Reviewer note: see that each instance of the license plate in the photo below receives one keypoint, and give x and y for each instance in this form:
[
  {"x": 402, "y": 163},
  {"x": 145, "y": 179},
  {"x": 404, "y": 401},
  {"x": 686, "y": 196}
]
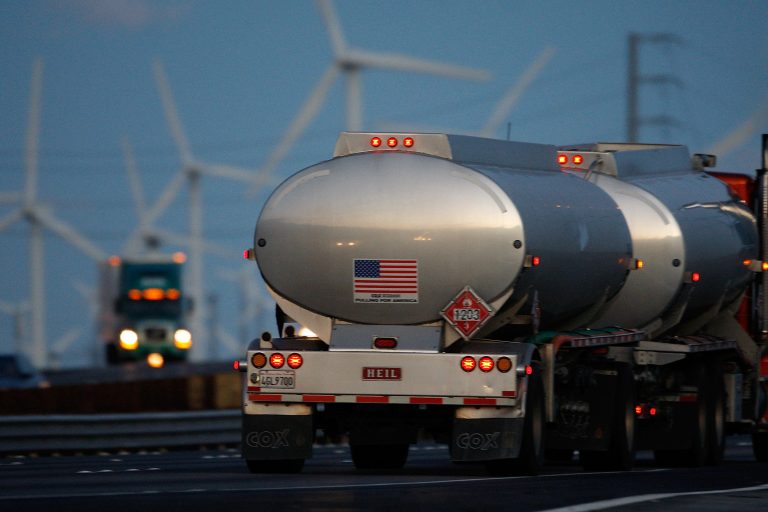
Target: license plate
[{"x": 283, "y": 379}]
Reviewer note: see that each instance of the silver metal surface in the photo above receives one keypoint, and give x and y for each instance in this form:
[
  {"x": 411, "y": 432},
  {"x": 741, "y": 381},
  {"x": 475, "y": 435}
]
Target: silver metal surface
[
  {"x": 656, "y": 241},
  {"x": 457, "y": 224},
  {"x": 719, "y": 233},
  {"x": 477, "y": 212}
]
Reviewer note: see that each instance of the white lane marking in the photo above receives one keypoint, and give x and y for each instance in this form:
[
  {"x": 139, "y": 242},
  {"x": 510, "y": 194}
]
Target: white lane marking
[
  {"x": 129, "y": 470},
  {"x": 630, "y": 500}
]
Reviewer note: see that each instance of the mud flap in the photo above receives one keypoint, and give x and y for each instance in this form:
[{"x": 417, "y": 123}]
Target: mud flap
[
  {"x": 277, "y": 437},
  {"x": 486, "y": 439}
]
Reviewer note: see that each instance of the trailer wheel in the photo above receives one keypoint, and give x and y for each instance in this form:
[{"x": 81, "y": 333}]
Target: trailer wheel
[
  {"x": 379, "y": 456},
  {"x": 620, "y": 455},
  {"x": 275, "y": 466},
  {"x": 716, "y": 417},
  {"x": 531, "y": 457},
  {"x": 698, "y": 453},
  {"x": 760, "y": 445}
]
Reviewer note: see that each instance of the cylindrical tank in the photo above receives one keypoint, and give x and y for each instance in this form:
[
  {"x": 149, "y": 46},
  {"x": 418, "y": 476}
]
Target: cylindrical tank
[{"x": 392, "y": 237}]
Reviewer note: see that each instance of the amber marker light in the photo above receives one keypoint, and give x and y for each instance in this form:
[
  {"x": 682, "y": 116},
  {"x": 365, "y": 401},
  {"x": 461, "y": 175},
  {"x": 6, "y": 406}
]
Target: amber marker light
[
  {"x": 259, "y": 360},
  {"x": 504, "y": 364},
  {"x": 155, "y": 360}
]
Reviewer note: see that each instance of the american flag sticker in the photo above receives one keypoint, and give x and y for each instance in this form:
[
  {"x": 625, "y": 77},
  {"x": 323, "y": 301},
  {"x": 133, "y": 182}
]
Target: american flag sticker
[{"x": 386, "y": 281}]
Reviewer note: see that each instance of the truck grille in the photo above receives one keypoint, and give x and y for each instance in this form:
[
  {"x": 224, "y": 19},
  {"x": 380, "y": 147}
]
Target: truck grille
[{"x": 156, "y": 334}]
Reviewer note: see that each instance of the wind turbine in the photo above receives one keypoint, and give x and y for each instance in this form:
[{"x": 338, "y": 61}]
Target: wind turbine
[
  {"x": 191, "y": 172},
  {"x": 351, "y": 62},
  {"x": 39, "y": 219}
]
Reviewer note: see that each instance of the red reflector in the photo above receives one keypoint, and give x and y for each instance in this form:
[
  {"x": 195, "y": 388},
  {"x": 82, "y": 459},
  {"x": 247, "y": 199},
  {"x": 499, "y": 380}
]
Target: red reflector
[
  {"x": 391, "y": 142},
  {"x": 375, "y": 142},
  {"x": 638, "y": 410},
  {"x": 385, "y": 343},
  {"x": 479, "y": 401},
  {"x": 364, "y": 399},
  {"x": 529, "y": 370},
  {"x": 468, "y": 364},
  {"x": 426, "y": 400},
  {"x": 486, "y": 364},
  {"x": 295, "y": 361},
  {"x": 652, "y": 411},
  {"x": 408, "y": 142},
  {"x": 562, "y": 159},
  {"x": 277, "y": 360},
  {"x": 578, "y": 159}
]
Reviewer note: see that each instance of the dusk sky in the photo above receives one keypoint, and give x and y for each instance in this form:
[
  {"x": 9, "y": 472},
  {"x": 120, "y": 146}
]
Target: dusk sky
[{"x": 240, "y": 71}]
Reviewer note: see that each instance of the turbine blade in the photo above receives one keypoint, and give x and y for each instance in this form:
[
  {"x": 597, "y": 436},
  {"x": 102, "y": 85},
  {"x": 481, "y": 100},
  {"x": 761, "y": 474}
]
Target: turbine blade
[
  {"x": 228, "y": 172},
  {"x": 33, "y": 129},
  {"x": 741, "y": 133},
  {"x": 9, "y": 197},
  {"x": 134, "y": 180},
  {"x": 305, "y": 116},
  {"x": 361, "y": 58},
  {"x": 165, "y": 200},
  {"x": 68, "y": 233},
  {"x": 8, "y": 220},
  {"x": 184, "y": 241},
  {"x": 508, "y": 102},
  {"x": 171, "y": 114},
  {"x": 332, "y": 24}
]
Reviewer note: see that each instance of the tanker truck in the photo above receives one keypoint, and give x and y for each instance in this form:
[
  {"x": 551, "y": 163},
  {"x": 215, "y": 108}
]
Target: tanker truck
[{"x": 514, "y": 301}]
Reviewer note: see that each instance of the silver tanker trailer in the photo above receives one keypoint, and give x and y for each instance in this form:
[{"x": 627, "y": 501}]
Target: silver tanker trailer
[{"x": 512, "y": 300}]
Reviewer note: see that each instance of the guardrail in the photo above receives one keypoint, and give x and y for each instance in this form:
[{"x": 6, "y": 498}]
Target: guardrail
[{"x": 86, "y": 432}]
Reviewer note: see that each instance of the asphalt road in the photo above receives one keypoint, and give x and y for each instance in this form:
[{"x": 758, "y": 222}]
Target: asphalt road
[{"x": 218, "y": 481}]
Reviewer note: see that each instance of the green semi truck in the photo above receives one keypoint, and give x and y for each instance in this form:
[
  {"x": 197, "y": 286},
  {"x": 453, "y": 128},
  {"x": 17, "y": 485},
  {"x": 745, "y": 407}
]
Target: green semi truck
[{"x": 144, "y": 310}]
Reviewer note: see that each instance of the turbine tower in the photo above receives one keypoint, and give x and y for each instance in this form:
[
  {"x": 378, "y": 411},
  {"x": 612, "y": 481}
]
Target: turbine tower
[
  {"x": 350, "y": 62},
  {"x": 191, "y": 173},
  {"x": 39, "y": 219}
]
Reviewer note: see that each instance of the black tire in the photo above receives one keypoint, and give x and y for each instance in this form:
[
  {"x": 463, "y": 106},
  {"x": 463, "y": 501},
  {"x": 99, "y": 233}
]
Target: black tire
[
  {"x": 561, "y": 455},
  {"x": 716, "y": 417},
  {"x": 760, "y": 445},
  {"x": 698, "y": 452},
  {"x": 112, "y": 355},
  {"x": 620, "y": 455},
  {"x": 379, "y": 456},
  {"x": 275, "y": 466},
  {"x": 531, "y": 457}
]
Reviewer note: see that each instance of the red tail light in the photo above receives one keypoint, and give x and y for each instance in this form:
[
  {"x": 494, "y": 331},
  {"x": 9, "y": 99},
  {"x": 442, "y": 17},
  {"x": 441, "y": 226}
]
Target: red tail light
[
  {"x": 276, "y": 360},
  {"x": 486, "y": 364},
  {"x": 391, "y": 142},
  {"x": 295, "y": 361},
  {"x": 408, "y": 142},
  {"x": 375, "y": 142},
  {"x": 385, "y": 343},
  {"x": 468, "y": 364}
]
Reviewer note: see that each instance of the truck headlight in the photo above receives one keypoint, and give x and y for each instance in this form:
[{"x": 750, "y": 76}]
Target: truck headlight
[
  {"x": 129, "y": 340},
  {"x": 182, "y": 338}
]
